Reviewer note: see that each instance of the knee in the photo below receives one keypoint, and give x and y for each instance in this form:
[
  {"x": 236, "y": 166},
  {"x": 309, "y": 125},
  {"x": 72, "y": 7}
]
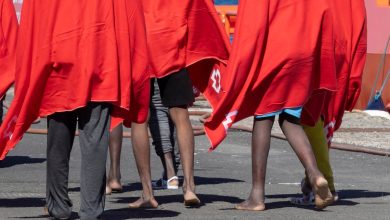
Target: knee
[{"x": 179, "y": 114}]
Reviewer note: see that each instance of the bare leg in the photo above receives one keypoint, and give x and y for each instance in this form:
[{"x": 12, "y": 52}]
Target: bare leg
[
  {"x": 114, "y": 175},
  {"x": 141, "y": 149},
  {"x": 169, "y": 167},
  {"x": 261, "y": 138},
  {"x": 301, "y": 145},
  {"x": 185, "y": 137}
]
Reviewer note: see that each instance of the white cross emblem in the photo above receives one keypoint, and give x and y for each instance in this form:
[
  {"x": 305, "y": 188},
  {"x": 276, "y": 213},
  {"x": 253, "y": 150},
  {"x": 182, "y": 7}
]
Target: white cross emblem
[
  {"x": 216, "y": 78},
  {"x": 8, "y": 133},
  {"x": 329, "y": 130},
  {"x": 229, "y": 120}
]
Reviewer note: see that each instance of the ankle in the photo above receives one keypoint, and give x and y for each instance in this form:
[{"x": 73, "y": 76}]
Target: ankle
[
  {"x": 169, "y": 175},
  {"x": 257, "y": 195},
  {"x": 189, "y": 195},
  {"x": 147, "y": 196},
  {"x": 313, "y": 176},
  {"x": 188, "y": 187},
  {"x": 113, "y": 176},
  {"x": 259, "y": 199}
]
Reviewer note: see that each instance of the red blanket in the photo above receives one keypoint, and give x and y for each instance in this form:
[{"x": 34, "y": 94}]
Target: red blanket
[
  {"x": 8, "y": 37},
  {"x": 351, "y": 46},
  {"x": 183, "y": 33},
  {"x": 283, "y": 52},
  {"x": 73, "y": 52}
]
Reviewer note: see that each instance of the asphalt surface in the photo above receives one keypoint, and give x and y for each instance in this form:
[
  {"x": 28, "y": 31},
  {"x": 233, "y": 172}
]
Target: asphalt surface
[{"x": 223, "y": 178}]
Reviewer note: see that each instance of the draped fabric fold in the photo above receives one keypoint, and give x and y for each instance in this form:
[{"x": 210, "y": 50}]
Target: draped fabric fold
[
  {"x": 74, "y": 52},
  {"x": 350, "y": 31},
  {"x": 8, "y": 38},
  {"x": 185, "y": 34},
  {"x": 282, "y": 54}
]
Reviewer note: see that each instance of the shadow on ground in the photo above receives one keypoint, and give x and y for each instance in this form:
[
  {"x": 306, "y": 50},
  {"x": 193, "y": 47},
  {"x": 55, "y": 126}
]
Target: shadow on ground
[
  {"x": 125, "y": 213},
  {"x": 198, "y": 181},
  {"x": 166, "y": 199},
  {"x": 345, "y": 198},
  {"x": 11, "y": 161},
  {"x": 214, "y": 181},
  {"x": 72, "y": 217},
  {"x": 286, "y": 204},
  {"x": 22, "y": 202},
  {"x": 343, "y": 194},
  {"x": 354, "y": 194}
]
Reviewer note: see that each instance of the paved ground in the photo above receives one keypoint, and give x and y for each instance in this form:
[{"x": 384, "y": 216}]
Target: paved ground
[
  {"x": 358, "y": 129},
  {"x": 223, "y": 178}
]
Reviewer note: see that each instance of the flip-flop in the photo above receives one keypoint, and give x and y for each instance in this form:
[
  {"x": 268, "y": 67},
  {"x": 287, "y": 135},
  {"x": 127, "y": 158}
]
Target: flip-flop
[{"x": 166, "y": 184}]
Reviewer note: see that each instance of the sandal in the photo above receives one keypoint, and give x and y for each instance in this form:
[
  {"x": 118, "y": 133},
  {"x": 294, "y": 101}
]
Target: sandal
[
  {"x": 166, "y": 184},
  {"x": 305, "y": 200},
  {"x": 309, "y": 200}
]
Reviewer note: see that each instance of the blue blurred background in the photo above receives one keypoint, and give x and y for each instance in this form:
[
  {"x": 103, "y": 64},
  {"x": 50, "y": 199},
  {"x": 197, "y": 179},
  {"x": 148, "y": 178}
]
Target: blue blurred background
[{"x": 226, "y": 2}]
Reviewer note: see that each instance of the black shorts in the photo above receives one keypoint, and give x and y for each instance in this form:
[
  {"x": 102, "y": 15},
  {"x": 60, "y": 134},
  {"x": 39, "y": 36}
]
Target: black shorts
[{"x": 176, "y": 89}]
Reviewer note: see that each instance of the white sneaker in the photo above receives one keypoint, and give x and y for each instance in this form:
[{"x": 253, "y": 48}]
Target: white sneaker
[{"x": 166, "y": 184}]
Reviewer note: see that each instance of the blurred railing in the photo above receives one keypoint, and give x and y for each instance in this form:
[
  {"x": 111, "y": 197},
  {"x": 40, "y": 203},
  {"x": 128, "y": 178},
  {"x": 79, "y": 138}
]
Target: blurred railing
[
  {"x": 383, "y": 3},
  {"x": 228, "y": 15}
]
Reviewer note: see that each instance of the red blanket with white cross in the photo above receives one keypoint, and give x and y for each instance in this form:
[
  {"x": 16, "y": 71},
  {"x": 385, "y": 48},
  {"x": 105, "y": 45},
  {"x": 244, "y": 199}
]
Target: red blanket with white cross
[
  {"x": 78, "y": 51},
  {"x": 350, "y": 30},
  {"x": 283, "y": 53}
]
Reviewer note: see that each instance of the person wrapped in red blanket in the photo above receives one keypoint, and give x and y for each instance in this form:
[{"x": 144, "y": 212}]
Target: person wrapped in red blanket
[
  {"x": 350, "y": 31},
  {"x": 79, "y": 61},
  {"x": 186, "y": 40},
  {"x": 8, "y": 38},
  {"x": 282, "y": 53}
]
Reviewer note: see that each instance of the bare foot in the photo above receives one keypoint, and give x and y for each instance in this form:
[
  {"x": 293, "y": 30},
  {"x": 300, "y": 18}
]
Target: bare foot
[
  {"x": 144, "y": 203},
  {"x": 113, "y": 186},
  {"x": 250, "y": 205},
  {"x": 323, "y": 196},
  {"x": 108, "y": 190},
  {"x": 190, "y": 199},
  {"x": 46, "y": 211}
]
